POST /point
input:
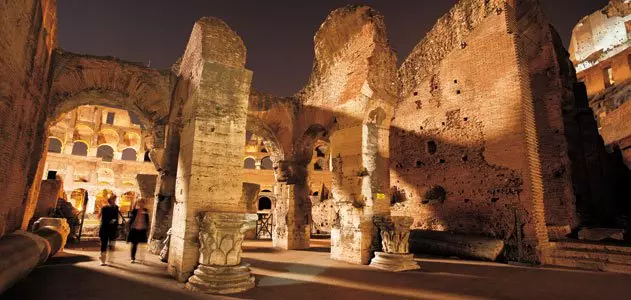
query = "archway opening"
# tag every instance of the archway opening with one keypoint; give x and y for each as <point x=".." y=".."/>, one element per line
<point x="266" y="163"/>
<point x="249" y="163"/>
<point x="101" y="159"/>
<point x="264" y="204"/>
<point x="54" y="145"/>
<point x="80" y="148"/>
<point x="105" y="152"/>
<point x="129" y="154"/>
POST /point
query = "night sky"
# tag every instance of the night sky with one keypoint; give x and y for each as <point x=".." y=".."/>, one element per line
<point x="278" y="34"/>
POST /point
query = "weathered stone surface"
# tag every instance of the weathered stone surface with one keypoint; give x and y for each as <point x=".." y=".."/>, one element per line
<point x="394" y="262"/>
<point x="395" y="233"/>
<point x="21" y="251"/>
<point x="221" y="280"/>
<point x="28" y="35"/>
<point x="220" y="270"/>
<point x="213" y="91"/>
<point x="601" y="234"/>
<point x="449" y="133"/>
<point x="58" y="225"/>
<point x="450" y="244"/>
<point x="558" y="232"/>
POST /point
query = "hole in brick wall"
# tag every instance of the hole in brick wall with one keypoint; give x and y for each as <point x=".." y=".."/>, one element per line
<point x="419" y="164"/>
<point x="435" y="194"/>
<point x="421" y="127"/>
<point x="466" y="119"/>
<point x="458" y="92"/>
<point x="419" y="104"/>
<point x="443" y="123"/>
<point x="415" y="93"/>
<point x="467" y="200"/>
<point x="441" y="161"/>
<point x="465" y="158"/>
<point x="455" y="80"/>
<point x="431" y="147"/>
<point x="495" y="199"/>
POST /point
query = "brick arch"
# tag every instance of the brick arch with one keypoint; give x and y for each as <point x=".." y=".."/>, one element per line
<point x="92" y="80"/>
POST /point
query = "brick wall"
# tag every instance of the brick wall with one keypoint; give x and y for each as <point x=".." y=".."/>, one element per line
<point x="463" y="140"/>
<point x="27" y="38"/>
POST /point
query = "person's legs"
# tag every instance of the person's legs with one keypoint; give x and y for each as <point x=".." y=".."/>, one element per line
<point x="104" y="246"/>
<point x="134" y="248"/>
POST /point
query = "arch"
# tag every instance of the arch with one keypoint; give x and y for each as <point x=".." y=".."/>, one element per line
<point x="77" y="199"/>
<point x="266" y="163"/>
<point x="101" y="199"/>
<point x="108" y="136"/>
<point x="264" y="203"/>
<point x="321" y="150"/>
<point x="126" y="201"/>
<point x="320" y="164"/>
<point x="83" y="132"/>
<point x="129" y="154"/>
<point x="80" y="79"/>
<point x="54" y="145"/>
<point x="249" y="163"/>
<point x="80" y="148"/>
<point x="105" y="175"/>
<point x="106" y="152"/>
<point x="266" y="191"/>
<point x="147" y="157"/>
<point x="132" y="139"/>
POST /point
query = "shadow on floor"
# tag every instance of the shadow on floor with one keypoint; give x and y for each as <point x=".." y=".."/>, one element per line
<point x="74" y="282"/>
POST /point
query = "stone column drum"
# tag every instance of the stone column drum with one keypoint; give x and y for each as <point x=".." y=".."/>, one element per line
<point x="395" y="234"/>
<point x="220" y="270"/>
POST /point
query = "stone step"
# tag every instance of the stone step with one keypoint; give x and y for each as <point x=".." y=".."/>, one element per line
<point x="594" y="265"/>
<point x="582" y="254"/>
<point x="594" y="247"/>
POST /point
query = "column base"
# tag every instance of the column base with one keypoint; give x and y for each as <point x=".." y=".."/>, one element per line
<point x="394" y="262"/>
<point x="221" y="279"/>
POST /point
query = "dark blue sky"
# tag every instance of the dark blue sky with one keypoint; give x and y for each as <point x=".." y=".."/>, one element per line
<point x="278" y="34"/>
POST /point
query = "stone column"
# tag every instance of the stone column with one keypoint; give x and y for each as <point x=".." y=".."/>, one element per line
<point x="395" y="235"/>
<point x="360" y="188"/>
<point x="165" y="160"/>
<point x="147" y="185"/>
<point x="292" y="212"/>
<point x="292" y="227"/>
<point x="220" y="270"/>
<point x="214" y="88"/>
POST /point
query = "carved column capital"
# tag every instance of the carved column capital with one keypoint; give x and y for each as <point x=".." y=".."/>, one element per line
<point x="221" y="235"/>
<point x="220" y="270"/>
<point x="395" y="234"/>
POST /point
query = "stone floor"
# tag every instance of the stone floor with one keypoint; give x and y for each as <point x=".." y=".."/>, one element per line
<point x="76" y="274"/>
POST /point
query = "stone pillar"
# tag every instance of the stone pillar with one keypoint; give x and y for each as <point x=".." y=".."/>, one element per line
<point x="220" y="270"/>
<point x="214" y="87"/>
<point x="292" y="212"/>
<point x="395" y="235"/>
<point x="165" y="159"/>
<point x="360" y="188"/>
<point x="147" y="184"/>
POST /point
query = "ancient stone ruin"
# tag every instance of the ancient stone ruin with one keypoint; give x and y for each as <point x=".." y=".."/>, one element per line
<point x="481" y="144"/>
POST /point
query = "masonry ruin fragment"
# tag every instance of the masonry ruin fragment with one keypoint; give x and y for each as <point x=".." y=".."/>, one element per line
<point x="482" y="131"/>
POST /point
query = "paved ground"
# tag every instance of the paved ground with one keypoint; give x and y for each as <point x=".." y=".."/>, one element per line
<point x="76" y="274"/>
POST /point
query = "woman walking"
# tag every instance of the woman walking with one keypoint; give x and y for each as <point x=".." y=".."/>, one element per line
<point x="138" y="227"/>
<point x="109" y="227"/>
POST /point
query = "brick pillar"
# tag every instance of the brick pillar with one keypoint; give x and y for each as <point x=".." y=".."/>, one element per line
<point x="215" y="88"/>
<point x="360" y="189"/>
<point x="292" y="216"/>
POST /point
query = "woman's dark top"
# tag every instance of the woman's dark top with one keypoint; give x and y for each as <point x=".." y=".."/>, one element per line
<point x="109" y="220"/>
